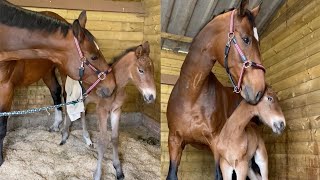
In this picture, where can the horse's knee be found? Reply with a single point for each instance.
(114, 139)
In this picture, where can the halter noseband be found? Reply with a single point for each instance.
(246, 63)
(100, 74)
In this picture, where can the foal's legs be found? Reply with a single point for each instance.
(261, 159)
(115, 117)
(103, 140)
(176, 147)
(226, 169)
(52, 83)
(85, 133)
(6, 97)
(242, 170)
(65, 132)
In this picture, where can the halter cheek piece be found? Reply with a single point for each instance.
(246, 63)
(100, 74)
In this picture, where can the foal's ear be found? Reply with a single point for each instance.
(255, 11)
(83, 19)
(146, 47)
(139, 51)
(243, 7)
(77, 30)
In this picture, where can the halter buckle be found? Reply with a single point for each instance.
(102, 76)
(236, 89)
(231, 36)
(247, 64)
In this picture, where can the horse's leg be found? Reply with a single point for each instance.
(52, 83)
(261, 159)
(115, 117)
(242, 170)
(6, 97)
(85, 133)
(252, 175)
(176, 147)
(103, 140)
(226, 169)
(65, 132)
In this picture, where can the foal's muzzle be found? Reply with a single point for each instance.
(278, 127)
(148, 98)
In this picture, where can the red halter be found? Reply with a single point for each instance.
(246, 63)
(101, 74)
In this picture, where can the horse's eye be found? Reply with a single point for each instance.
(140, 71)
(246, 40)
(270, 98)
(94, 58)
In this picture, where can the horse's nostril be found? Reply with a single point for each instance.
(281, 125)
(259, 95)
(151, 97)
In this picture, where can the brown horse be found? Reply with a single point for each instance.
(239, 141)
(27, 35)
(135, 66)
(198, 105)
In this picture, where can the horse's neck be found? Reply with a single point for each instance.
(121, 71)
(239, 119)
(36, 45)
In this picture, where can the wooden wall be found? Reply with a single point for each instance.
(152, 35)
(195, 164)
(291, 51)
(114, 31)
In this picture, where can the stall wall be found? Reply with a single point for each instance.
(291, 53)
(195, 164)
(152, 35)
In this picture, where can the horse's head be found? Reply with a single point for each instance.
(242, 55)
(142, 73)
(270, 113)
(94, 64)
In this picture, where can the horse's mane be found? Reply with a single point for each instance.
(12, 15)
(122, 54)
(248, 14)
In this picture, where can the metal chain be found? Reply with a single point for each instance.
(35, 110)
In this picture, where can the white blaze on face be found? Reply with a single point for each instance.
(95, 43)
(255, 32)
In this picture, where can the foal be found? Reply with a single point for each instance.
(239, 141)
(133, 65)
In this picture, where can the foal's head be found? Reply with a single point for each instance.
(93, 55)
(141, 71)
(244, 31)
(269, 111)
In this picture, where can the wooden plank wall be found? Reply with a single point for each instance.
(153, 36)
(195, 164)
(114, 31)
(291, 53)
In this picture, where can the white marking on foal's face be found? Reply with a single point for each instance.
(149, 91)
(255, 32)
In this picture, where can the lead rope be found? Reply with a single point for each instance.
(36, 110)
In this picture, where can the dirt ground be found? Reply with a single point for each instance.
(34, 153)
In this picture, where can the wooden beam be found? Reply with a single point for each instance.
(96, 5)
(167, 15)
(169, 79)
(176, 37)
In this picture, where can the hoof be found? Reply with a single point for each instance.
(62, 143)
(54, 129)
(120, 176)
(97, 175)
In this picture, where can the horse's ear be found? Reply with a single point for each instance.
(255, 11)
(139, 51)
(243, 7)
(83, 19)
(146, 47)
(77, 30)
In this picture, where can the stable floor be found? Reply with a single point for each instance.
(34, 153)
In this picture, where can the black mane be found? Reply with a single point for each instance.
(120, 56)
(15, 16)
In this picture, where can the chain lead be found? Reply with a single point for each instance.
(35, 110)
